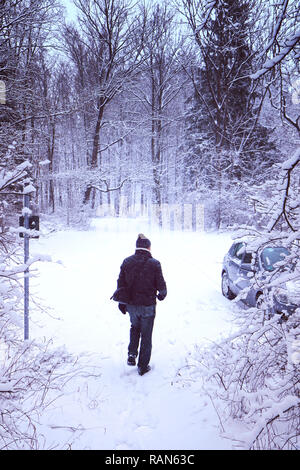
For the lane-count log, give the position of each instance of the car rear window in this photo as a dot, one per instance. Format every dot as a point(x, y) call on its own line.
point(272, 255)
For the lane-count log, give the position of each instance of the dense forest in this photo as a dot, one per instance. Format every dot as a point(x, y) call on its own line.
point(137, 104)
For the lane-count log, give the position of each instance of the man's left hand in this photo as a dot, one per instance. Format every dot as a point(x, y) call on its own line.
point(122, 308)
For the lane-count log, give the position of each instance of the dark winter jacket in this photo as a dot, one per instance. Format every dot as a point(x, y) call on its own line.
point(143, 274)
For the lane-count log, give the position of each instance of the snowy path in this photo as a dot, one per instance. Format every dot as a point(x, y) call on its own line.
point(120, 409)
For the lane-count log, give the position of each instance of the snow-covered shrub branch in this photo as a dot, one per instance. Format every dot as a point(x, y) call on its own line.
point(289, 201)
point(32, 375)
point(255, 373)
point(29, 373)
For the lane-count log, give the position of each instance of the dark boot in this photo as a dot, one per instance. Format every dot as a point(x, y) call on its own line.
point(131, 359)
point(144, 370)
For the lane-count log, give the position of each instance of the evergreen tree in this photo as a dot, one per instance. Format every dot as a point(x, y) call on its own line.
point(223, 133)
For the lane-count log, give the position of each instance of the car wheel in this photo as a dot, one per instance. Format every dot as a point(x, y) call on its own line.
point(226, 291)
point(262, 305)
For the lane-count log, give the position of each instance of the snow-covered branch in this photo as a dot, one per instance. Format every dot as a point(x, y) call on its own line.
point(289, 45)
point(7, 178)
point(282, 211)
point(107, 187)
point(252, 378)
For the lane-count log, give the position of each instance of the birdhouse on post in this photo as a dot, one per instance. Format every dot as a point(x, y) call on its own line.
point(33, 224)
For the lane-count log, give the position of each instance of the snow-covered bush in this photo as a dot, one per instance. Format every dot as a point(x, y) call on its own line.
point(253, 380)
point(28, 376)
point(32, 374)
point(255, 373)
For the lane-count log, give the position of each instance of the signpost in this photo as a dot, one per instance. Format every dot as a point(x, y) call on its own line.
point(26, 272)
point(29, 222)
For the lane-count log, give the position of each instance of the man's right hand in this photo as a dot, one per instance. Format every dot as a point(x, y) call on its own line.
point(161, 296)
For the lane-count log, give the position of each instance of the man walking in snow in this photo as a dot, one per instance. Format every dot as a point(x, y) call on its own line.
point(141, 274)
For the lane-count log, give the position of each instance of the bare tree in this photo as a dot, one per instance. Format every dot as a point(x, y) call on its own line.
point(224, 139)
point(25, 28)
point(106, 51)
point(26, 32)
point(162, 74)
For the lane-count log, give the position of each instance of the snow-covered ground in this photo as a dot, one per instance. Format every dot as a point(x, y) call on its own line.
point(117, 409)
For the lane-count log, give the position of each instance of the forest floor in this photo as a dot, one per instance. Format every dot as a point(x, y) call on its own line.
point(115, 408)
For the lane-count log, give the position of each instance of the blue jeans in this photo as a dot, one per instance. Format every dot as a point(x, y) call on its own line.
point(142, 320)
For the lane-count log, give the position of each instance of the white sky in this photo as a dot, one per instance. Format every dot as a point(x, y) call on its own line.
point(70, 9)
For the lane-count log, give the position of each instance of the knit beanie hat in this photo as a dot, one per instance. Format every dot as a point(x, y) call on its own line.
point(142, 241)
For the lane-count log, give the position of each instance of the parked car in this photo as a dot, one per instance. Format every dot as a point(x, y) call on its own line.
point(240, 266)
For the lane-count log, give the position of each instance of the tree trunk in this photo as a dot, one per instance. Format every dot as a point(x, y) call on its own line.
point(94, 159)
